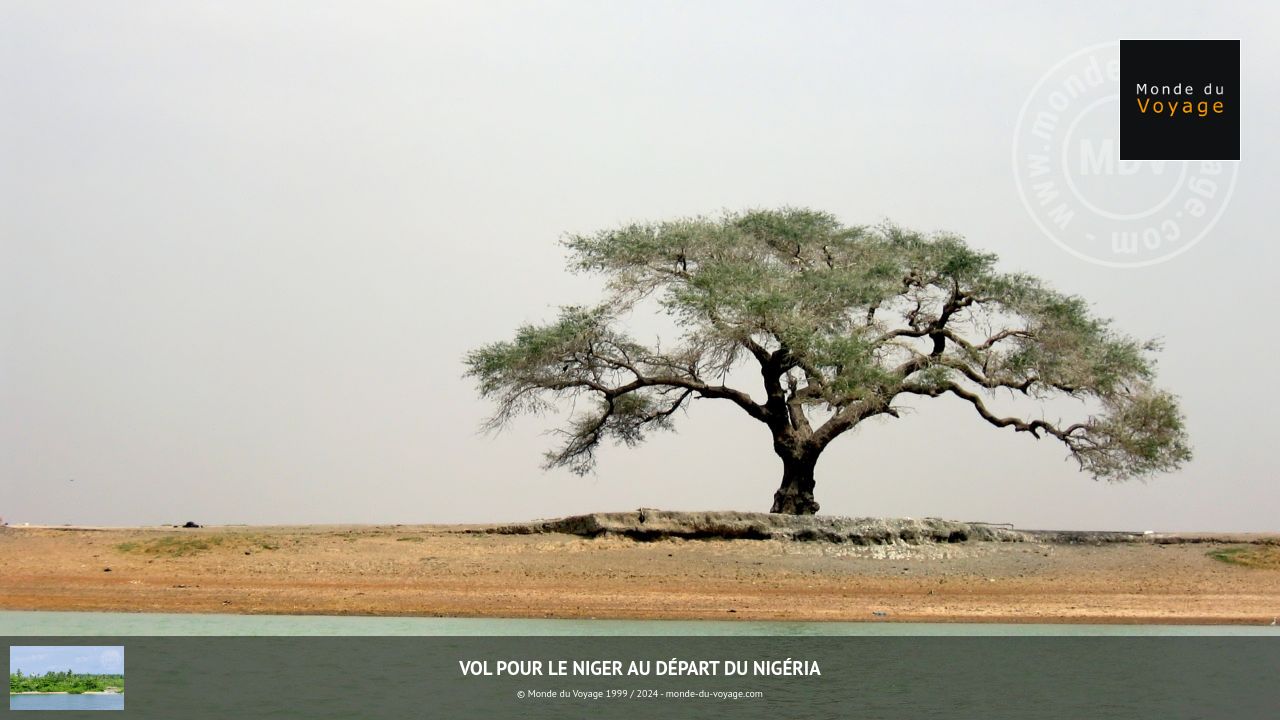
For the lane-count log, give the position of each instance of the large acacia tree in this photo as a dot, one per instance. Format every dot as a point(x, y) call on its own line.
point(843, 325)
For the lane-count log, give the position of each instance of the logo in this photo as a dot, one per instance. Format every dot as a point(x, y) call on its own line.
point(1180, 99)
point(1097, 204)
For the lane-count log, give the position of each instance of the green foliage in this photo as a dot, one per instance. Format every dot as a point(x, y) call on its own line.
point(67, 682)
point(1250, 556)
point(1141, 432)
point(842, 321)
point(180, 544)
point(172, 545)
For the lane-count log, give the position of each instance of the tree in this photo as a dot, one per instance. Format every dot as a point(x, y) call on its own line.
point(842, 323)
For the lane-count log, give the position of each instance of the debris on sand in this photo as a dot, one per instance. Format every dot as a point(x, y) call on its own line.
point(647, 524)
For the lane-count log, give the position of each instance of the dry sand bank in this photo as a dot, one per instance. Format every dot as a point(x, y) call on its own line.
point(456, 571)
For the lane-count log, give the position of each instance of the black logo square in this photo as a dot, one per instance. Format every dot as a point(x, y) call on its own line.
point(1180, 99)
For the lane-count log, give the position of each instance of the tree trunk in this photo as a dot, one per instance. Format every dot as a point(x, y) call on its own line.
point(795, 496)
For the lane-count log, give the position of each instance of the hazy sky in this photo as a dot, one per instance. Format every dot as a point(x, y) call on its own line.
point(245, 246)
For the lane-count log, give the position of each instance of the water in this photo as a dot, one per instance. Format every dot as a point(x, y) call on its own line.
point(66, 702)
point(23, 623)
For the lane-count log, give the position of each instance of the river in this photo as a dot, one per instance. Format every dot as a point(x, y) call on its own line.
point(66, 702)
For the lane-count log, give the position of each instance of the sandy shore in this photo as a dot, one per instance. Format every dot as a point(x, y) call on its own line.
point(442, 571)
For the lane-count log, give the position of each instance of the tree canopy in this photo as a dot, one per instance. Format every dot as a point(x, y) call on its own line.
point(842, 322)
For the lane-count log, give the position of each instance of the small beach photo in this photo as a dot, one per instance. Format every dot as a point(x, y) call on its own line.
point(66, 677)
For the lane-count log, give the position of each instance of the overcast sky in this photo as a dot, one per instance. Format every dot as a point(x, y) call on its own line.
point(245, 246)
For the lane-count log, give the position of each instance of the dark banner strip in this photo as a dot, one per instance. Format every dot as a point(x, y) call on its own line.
point(690, 677)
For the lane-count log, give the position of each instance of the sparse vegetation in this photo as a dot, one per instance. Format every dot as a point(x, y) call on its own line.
point(172, 545)
point(1253, 556)
point(185, 545)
